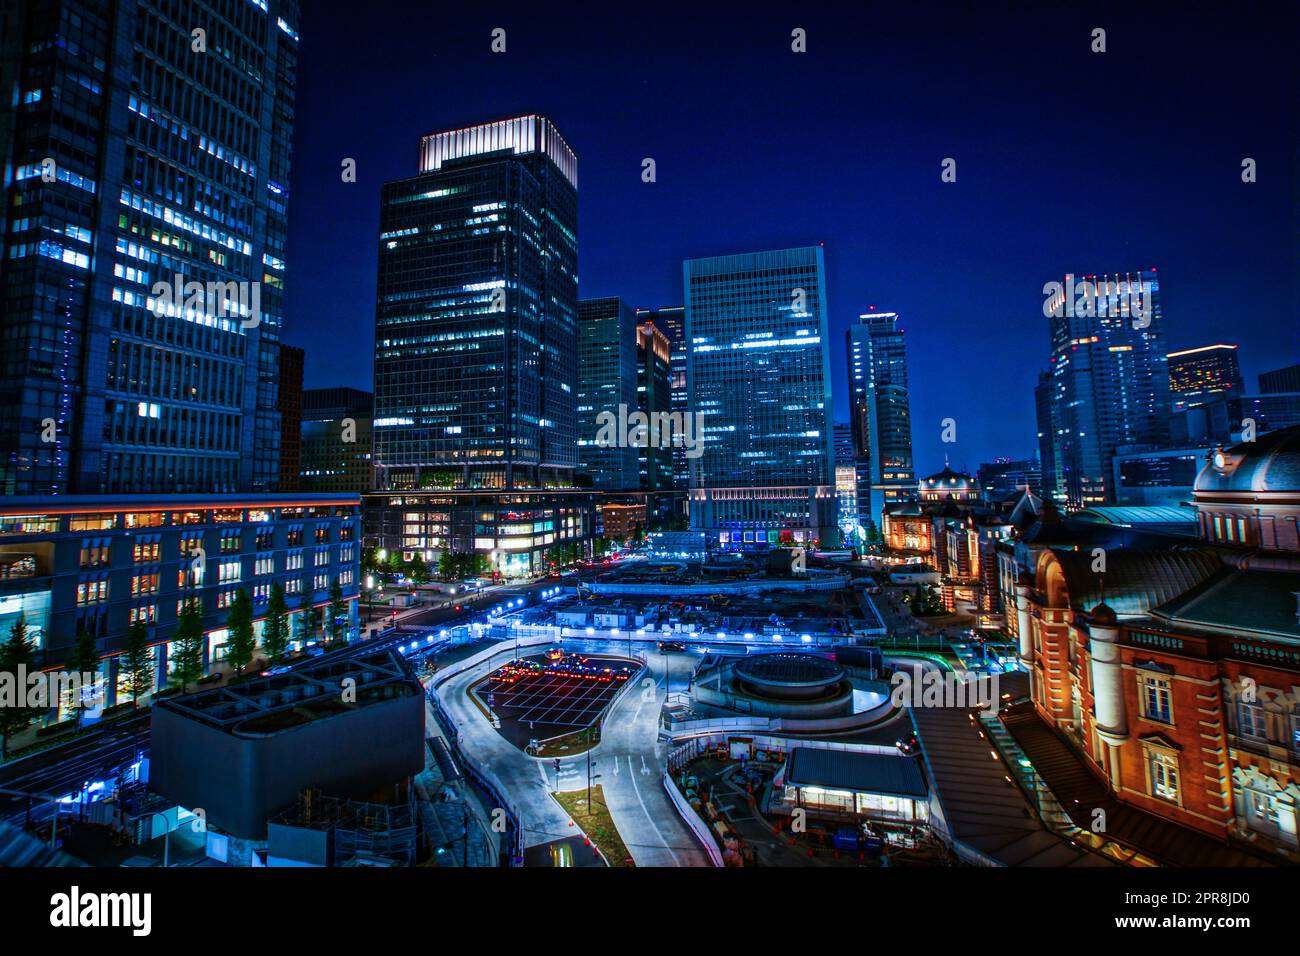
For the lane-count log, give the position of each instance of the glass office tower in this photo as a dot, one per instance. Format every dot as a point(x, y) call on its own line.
point(607, 380)
point(759, 373)
point(880, 413)
point(476, 331)
point(671, 321)
point(1109, 384)
point(654, 399)
point(135, 162)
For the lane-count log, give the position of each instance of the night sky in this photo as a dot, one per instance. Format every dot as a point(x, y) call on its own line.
point(1066, 161)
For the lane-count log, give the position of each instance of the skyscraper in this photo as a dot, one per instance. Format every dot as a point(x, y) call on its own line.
point(759, 373)
point(607, 382)
point(654, 399)
point(476, 335)
point(880, 412)
point(1109, 383)
point(144, 156)
point(476, 350)
point(671, 321)
point(1196, 375)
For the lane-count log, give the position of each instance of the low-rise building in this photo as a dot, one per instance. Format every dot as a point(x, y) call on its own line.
point(513, 529)
point(102, 563)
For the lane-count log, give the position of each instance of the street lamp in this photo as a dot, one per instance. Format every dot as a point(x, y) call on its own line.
point(370, 599)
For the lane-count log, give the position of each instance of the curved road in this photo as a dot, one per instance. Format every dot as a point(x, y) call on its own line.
point(629, 761)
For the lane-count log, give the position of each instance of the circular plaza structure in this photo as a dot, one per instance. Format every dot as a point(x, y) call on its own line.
point(789, 676)
point(799, 686)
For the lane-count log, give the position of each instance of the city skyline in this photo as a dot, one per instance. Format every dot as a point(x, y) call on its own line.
point(943, 257)
point(649, 438)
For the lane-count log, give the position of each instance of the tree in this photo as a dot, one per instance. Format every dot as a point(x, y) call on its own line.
point(137, 662)
point(85, 660)
point(419, 569)
point(926, 602)
point(275, 631)
point(306, 614)
point(239, 628)
point(187, 644)
point(447, 566)
point(338, 608)
point(15, 658)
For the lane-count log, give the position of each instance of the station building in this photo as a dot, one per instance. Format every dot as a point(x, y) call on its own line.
point(1174, 674)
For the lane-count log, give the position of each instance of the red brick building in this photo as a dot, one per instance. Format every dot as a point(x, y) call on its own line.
point(1176, 673)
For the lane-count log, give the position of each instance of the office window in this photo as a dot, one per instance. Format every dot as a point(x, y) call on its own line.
point(146, 550)
point(94, 552)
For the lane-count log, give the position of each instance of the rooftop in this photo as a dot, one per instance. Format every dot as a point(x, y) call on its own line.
point(849, 770)
point(309, 691)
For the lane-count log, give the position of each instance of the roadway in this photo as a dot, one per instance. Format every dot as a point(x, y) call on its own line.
point(628, 762)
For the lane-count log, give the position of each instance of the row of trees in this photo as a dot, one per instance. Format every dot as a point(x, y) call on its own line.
point(136, 663)
point(566, 552)
point(458, 567)
point(417, 569)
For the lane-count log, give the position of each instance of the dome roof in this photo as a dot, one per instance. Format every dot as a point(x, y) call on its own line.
point(1135, 582)
point(1270, 463)
point(948, 481)
point(1103, 615)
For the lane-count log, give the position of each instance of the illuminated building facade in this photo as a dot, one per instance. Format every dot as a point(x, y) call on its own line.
point(654, 398)
point(846, 486)
point(1107, 385)
point(950, 527)
point(476, 327)
point(1004, 478)
point(607, 379)
point(136, 163)
point(514, 529)
point(671, 321)
point(1195, 374)
point(880, 411)
point(1173, 673)
point(759, 373)
point(100, 563)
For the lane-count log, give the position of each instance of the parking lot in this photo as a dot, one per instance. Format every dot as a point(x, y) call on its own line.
point(538, 698)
